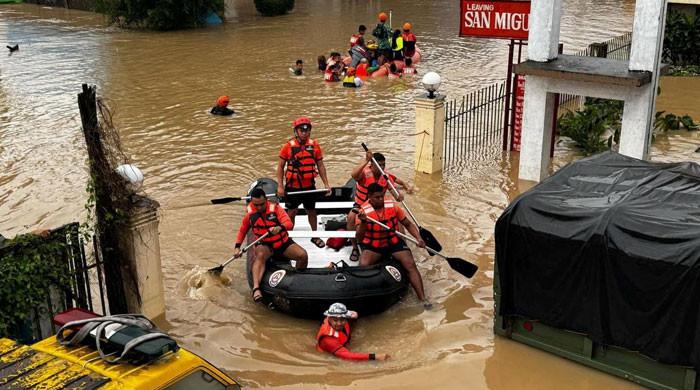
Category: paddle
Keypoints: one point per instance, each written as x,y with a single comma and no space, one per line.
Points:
219,269
229,200
425,234
462,266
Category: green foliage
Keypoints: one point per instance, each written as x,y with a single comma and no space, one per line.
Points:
595,128
274,7
673,122
682,39
689,70
30,265
159,14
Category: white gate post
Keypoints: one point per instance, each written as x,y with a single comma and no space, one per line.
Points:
430,134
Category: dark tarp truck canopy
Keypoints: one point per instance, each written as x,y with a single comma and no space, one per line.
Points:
608,246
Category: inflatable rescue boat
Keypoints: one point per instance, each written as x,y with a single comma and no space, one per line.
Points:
331,276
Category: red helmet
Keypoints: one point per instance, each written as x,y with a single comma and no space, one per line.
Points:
303,122
382,17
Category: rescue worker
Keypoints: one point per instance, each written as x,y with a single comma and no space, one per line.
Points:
379,243
359,38
221,107
263,217
334,335
361,70
383,34
366,173
334,68
408,68
300,161
397,46
350,80
409,40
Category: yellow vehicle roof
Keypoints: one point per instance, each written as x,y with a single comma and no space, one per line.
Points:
47,364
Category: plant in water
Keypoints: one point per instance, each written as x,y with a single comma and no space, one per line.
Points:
274,7
30,267
682,39
595,128
673,122
159,14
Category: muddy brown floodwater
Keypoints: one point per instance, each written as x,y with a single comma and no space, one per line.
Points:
161,86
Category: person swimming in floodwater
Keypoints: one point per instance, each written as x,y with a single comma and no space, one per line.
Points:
322,63
298,68
221,107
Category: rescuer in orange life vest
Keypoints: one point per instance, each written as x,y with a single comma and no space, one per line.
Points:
366,173
334,334
263,217
379,243
301,160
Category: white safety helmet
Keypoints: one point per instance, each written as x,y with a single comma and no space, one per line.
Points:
337,310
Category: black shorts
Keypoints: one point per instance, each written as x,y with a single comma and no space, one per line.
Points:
278,252
387,251
293,201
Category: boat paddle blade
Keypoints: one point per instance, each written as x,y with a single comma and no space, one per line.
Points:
462,266
224,200
430,240
216,270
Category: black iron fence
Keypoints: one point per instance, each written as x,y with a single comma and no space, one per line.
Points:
474,122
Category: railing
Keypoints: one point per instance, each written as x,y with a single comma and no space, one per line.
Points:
617,48
474,122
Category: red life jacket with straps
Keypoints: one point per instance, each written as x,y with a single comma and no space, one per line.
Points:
327,330
354,39
375,235
261,223
366,179
301,168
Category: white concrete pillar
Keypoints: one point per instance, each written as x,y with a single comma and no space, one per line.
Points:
142,245
647,35
638,122
430,134
544,26
538,115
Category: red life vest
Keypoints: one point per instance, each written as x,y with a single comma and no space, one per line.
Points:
409,70
354,39
409,44
375,235
301,168
361,71
329,74
327,330
260,223
367,178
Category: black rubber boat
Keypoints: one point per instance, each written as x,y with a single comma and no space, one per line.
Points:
308,293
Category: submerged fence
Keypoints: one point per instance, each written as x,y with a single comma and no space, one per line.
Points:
474,122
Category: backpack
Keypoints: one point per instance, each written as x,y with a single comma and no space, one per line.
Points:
380,32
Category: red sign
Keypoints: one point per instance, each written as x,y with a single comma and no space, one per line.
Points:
494,19
518,112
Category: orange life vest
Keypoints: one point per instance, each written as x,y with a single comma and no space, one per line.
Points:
301,168
327,330
375,235
366,179
261,223
361,71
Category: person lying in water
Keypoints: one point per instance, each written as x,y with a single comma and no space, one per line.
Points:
334,335
221,107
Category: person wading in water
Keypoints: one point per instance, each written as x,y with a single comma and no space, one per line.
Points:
334,334
263,217
379,243
301,160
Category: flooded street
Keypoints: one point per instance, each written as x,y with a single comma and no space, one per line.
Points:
161,87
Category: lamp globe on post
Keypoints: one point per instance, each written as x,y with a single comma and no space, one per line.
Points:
431,83
132,175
